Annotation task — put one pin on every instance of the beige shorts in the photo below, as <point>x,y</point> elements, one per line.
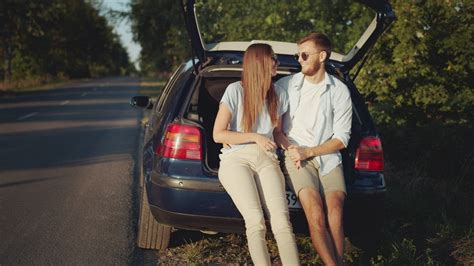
<point>308,176</point>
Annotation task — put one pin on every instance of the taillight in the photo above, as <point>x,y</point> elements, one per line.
<point>369,155</point>
<point>181,142</point>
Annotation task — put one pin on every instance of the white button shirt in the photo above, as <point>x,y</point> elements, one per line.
<point>333,120</point>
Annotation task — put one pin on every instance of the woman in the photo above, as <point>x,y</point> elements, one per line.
<point>249,169</point>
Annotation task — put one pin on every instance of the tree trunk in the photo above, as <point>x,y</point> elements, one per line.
<point>8,62</point>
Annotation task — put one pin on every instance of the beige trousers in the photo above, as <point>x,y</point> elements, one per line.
<point>254,181</point>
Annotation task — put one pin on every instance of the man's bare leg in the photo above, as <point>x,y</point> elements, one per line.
<point>312,204</point>
<point>335,208</point>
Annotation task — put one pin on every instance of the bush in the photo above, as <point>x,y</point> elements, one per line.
<point>429,210</point>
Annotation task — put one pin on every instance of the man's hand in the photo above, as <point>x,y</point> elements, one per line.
<point>298,153</point>
<point>281,141</point>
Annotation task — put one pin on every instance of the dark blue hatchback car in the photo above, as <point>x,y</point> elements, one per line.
<point>180,187</point>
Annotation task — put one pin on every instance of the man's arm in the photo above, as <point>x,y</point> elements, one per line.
<point>280,138</point>
<point>342,109</point>
<point>298,153</point>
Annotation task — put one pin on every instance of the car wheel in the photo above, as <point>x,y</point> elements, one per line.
<point>151,234</point>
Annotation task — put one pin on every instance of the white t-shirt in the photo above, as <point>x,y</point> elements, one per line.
<point>233,99</point>
<point>301,132</point>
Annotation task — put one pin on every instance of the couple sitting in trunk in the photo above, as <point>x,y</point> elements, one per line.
<point>308,115</point>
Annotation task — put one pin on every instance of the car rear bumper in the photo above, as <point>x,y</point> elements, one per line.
<point>201,205</point>
<point>198,222</point>
<point>193,204</point>
<point>368,185</point>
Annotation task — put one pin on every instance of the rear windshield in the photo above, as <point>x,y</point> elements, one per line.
<point>288,21</point>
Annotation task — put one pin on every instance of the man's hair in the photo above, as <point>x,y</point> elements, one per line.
<point>320,40</point>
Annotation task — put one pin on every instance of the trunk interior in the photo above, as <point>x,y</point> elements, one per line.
<point>204,105</point>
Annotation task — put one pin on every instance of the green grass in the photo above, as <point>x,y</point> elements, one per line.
<point>148,86</point>
<point>36,85</point>
<point>429,209</point>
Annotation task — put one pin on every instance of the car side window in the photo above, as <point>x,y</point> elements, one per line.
<point>167,88</point>
<point>175,96</point>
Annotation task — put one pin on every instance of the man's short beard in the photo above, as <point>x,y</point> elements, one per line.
<point>315,70</point>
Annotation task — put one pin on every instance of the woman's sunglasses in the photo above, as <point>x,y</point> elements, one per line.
<point>305,55</point>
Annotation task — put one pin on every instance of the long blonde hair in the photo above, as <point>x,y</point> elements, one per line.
<point>258,85</point>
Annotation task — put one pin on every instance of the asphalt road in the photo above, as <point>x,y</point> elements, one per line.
<point>68,182</point>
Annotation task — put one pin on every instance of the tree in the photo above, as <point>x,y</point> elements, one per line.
<point>19,23</point>
<point>159,25</point>
<point>421,69</point>
<point>286,21</point>
<point>57,38</point>
<point>159,28</point>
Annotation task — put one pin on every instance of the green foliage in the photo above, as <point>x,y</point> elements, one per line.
<point>404,253</point>
<point>429,200</point>
<point>54,38</point>
<point>282,20</point>
<point>420,70</point>
<point>159,28</point>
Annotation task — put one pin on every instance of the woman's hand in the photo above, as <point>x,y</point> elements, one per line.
<point>264,142</point>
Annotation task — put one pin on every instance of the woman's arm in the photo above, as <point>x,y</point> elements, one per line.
<point>222,135</point>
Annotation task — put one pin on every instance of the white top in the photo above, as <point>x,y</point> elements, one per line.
<point>301,132</point>
<point>333,119</point>
<point>233,99</point>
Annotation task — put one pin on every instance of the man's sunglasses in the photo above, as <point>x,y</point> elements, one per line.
<point>305,55</point>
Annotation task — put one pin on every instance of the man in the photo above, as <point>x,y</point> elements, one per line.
<point>316,126</point>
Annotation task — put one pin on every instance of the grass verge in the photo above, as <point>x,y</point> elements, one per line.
<point>38,84</point>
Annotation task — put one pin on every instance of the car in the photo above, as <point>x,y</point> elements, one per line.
<point>179,163</point>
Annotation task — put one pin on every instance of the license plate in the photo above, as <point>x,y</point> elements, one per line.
<point>292,200</point>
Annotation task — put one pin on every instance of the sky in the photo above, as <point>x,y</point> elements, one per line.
<point>123,29</point>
